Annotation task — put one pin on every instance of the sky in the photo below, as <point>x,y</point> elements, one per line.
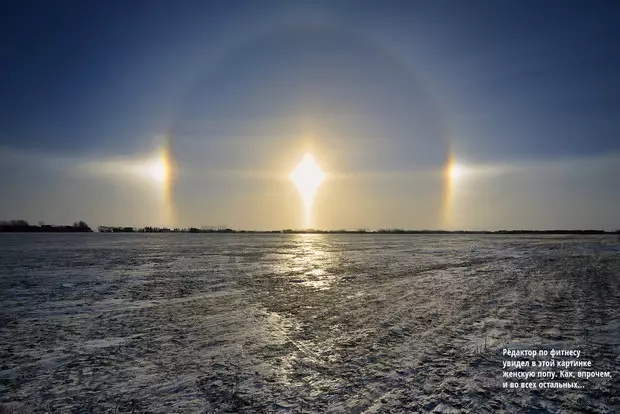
<point>422,115</point>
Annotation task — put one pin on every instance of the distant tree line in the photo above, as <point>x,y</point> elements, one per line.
<point>404,231</point>
<point>222,229</point>
<point>149,229</point>
<point>8,226</point>
<point>22,226</point>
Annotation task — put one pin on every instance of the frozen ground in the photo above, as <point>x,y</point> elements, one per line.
<point>301,323</point>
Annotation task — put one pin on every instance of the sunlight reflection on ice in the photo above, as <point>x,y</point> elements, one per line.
<point>309,263</point>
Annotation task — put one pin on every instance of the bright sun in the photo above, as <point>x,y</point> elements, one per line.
<point>307,176</point>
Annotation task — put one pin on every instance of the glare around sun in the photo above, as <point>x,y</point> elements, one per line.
<point>307,176</point>
<point>456,171</point>
<point>157,170</point>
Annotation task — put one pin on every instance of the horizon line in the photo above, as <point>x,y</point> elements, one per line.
<point>14,225</point>
<point>152,229</point>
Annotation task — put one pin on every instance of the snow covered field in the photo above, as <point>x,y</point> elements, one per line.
<point>301,323</point>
